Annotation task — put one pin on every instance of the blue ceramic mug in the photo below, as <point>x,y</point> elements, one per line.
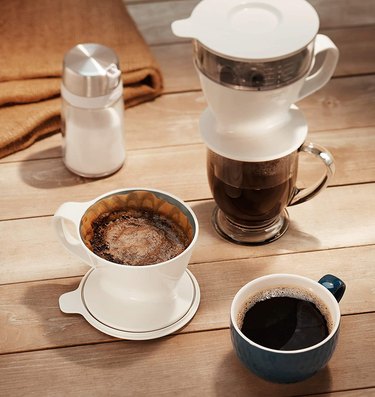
<point>287,366</point>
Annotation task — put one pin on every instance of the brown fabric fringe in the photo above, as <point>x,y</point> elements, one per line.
<point>35,35</point>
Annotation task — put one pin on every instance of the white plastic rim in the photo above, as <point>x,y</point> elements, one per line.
<point>74,211</point>
<point>266,145</point>
<point>251,29</point>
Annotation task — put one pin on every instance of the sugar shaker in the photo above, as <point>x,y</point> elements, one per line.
<point>92,111</point>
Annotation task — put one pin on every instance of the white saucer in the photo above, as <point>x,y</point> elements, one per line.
<point>118,317</point>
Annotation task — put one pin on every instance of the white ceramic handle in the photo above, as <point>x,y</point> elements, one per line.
<point>314,82</point>
<point>71,212</point>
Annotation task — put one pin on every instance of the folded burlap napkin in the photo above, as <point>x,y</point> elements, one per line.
<point>35,35</point>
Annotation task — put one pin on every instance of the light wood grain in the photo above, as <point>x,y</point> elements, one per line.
<point>356,51</point>
<point>351,393</point>
<point>181,174</point>
<point>181,171</point>
<point>33,252</point>
<point>154,18</point>
<point>357,47</point>
<point>336,13</point>
<point>171,366</point>
<point>44,352</point>
<point>356,57</point>
<point>31,318</point>
<point>336,106</point>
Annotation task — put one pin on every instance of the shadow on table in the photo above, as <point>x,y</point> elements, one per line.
<point>295,238</point>
<point>74,340</point>
<point>48,172</point>
<point>234,379</point>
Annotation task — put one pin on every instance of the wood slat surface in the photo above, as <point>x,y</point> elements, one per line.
<point>44,352</point>
<point>170,367</point>
<point>180,116</point>
<point>181,170</point>
<point>356,58</point>
<point>316,225</point>
<point>32,319</point>
<point>154,18</point>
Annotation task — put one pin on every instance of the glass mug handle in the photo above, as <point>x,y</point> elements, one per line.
<point>317,80</point>
<point>71,212</point>
<point>302,195</point>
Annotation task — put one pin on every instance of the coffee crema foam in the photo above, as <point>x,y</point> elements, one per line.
<point>137,237</point>
<point>289,292</point>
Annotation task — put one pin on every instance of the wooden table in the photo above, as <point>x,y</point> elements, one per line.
<point>44,352</point>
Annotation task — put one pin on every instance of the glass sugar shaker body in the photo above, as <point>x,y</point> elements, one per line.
<point>92,111</point>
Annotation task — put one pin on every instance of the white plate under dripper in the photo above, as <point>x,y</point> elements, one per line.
<point>255,144</point>
<point>120,317</point>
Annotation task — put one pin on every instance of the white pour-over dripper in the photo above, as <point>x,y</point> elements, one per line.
<point>254,58</point>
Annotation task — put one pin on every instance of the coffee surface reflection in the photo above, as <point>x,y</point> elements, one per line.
<point>285,319</point>
<point>137,237</point>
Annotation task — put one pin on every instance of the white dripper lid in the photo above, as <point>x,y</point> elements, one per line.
<point>251,29</point>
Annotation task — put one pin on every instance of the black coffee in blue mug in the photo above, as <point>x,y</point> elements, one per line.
<point>286,321</point>
<point>285,327</point>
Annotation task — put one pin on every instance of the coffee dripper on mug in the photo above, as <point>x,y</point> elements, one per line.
<point>256,59</point>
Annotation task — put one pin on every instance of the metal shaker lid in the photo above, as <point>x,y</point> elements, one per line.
<point>91,70</point>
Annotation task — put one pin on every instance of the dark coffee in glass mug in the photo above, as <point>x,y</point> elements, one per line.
<point>252,196</point>
<point>251,193</point>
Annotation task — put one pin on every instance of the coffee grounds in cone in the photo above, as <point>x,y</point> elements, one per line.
<point>137,237</point>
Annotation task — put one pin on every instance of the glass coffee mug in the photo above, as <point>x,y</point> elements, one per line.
<point>252,196</point>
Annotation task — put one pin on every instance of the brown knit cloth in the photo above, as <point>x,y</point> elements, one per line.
<point>35,35</point>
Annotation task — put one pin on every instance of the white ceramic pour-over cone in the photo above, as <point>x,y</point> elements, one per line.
<point>260,33</point>
<point>134,302</point>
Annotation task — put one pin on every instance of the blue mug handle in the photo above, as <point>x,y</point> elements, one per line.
<point>336,286</point>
